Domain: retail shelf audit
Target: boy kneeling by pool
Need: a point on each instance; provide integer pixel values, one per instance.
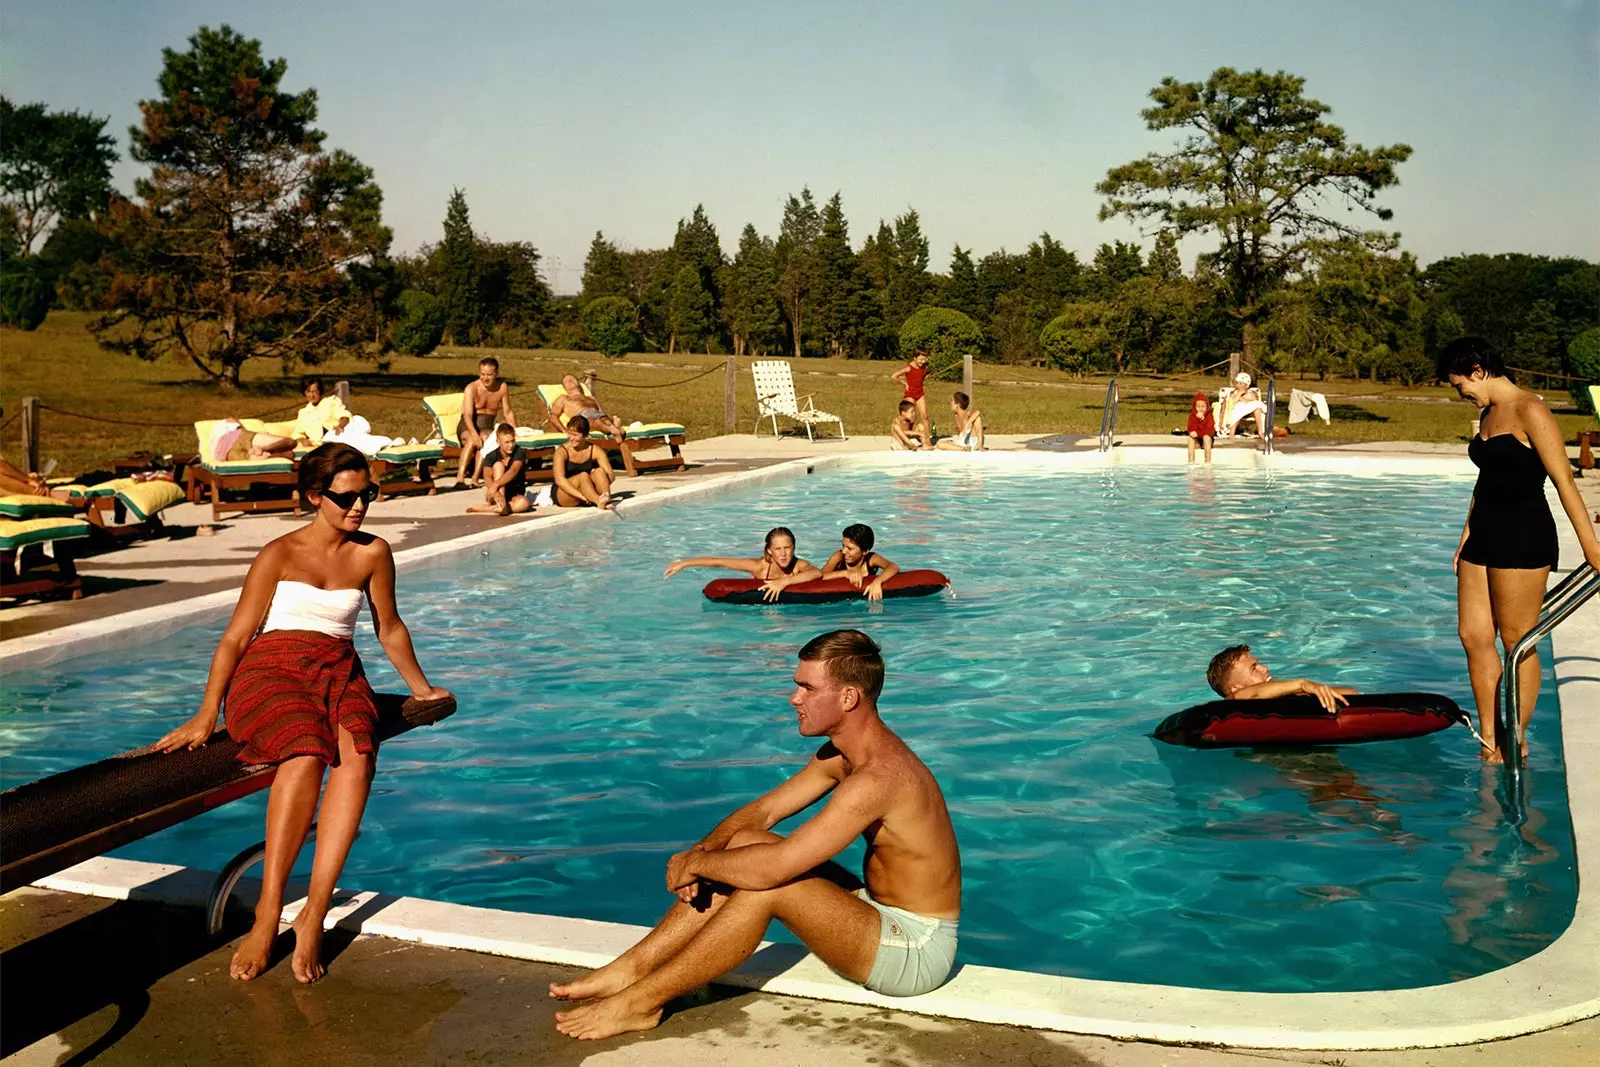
(855, 560)
(1237, 675)
(895, 935)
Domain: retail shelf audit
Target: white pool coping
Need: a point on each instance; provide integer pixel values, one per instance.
(1557, 985)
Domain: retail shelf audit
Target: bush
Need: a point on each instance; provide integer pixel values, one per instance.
(26, 292)
(947, 334)
(611, 323)
(421, 324)
(1075, 341)
(1583, 361)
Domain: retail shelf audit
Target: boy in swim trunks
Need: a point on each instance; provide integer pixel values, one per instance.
(911, 376)
(506, 482)
(479, 402)
(903, 428)
(895, 935)
(856, 561)
(969, 426)
(1237, 675)
(574, 401)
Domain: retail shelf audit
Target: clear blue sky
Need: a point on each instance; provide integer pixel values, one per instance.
(993, 120)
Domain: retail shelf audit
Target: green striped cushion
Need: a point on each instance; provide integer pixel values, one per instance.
(144, 499)
(655, 429)
(248, 466)
(410, 453)
(13, 535)
(26, 506)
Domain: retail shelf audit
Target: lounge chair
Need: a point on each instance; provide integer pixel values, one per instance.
(637, 438)
(1587, 439)
(1225, 413)
(446, 411)
(219, 476)
(21, 539)
(124, 508)
(775, 397)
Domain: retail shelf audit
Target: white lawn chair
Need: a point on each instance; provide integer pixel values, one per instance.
(775, 396)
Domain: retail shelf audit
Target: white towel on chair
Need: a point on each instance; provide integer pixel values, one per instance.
(1302, 402)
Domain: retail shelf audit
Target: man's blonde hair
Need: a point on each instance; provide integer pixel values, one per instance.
(851, 658)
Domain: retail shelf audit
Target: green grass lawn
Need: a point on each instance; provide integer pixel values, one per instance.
(62, 365)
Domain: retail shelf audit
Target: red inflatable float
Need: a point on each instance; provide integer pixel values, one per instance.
(748, 590)
(1301, 722)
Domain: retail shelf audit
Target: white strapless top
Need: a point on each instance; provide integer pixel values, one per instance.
(298, 606)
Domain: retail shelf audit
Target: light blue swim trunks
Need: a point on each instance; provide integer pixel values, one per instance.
(915, 953)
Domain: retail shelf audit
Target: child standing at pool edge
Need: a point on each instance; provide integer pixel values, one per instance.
(856, 561)
(911, 376)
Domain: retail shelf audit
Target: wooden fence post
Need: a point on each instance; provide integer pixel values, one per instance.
(30, 432)
(341, 389)
(730, 376)
(966, 374)
(588, 381)
(1233, 366)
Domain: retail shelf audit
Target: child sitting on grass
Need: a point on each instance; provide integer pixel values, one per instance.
(856, 561)
(505, 488)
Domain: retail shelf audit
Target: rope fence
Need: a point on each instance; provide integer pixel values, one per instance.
(151, 422)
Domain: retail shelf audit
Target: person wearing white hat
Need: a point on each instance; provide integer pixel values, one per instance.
(1243, 403)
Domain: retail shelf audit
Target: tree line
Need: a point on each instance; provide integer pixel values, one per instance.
(250, 238)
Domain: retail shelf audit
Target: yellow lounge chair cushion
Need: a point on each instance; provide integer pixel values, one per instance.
(13, 535)
(446, 411)
(146, 499)
(549, 393)
(27, 506)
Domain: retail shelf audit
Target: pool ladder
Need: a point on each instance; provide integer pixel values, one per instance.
(1108, 418)
(1272, 415)
(1559, 604)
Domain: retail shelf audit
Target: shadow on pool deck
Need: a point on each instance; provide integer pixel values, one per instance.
(137, 983)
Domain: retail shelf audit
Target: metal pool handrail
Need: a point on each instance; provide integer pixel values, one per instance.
(1108, 417)
(1567, 597)
(1272, 414)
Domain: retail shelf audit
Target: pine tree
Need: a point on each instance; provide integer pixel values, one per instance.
(843, 317)
(691, 313)
(697, 245)
(909, 281)
(961, 290)
(604, 272)
(460, 272)
(796, 262)
(750, 301)
(1164, 262)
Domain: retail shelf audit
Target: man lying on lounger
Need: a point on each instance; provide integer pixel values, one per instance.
(896, 936)
(1237, 675)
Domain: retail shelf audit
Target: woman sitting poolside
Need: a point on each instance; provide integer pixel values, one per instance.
(296, 694)
(778, 568)
(582, 472)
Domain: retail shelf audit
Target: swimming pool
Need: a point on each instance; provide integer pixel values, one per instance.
(609, 717)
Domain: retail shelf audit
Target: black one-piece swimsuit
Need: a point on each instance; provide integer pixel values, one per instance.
(1511, 527)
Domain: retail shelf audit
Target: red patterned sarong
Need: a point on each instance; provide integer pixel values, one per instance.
(291, 692)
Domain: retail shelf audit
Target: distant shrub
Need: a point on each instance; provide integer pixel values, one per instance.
(1075, 341)
(421, 324)
(947, 334)
(611, 323)
(1583, 361)
(26, 292)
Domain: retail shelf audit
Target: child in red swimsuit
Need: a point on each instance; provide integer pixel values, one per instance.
(1202, 426)
(911, 376)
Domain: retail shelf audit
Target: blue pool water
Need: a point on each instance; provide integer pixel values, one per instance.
(609, 718)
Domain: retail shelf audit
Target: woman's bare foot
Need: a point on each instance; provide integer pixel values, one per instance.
(1489, 755)
(307, 959)
(606, 981)
(250, 958)
(605, 1018)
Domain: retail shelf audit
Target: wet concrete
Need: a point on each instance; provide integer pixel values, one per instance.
(90, 980)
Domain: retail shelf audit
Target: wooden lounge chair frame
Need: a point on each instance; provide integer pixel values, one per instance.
(16, 580)
(199, 479)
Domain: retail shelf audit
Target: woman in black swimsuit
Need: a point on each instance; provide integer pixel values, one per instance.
(1508, 545)
(778, 568)
(582, 472)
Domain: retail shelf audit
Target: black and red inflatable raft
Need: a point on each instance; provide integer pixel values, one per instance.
(748, 590)
(1300, 721)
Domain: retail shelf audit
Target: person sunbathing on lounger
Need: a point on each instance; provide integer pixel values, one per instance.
(231, 441)
(896, 935)
(778, 568)
(574, 401)
(856, 561)
(582, 470)
(1237, 675)
(298, 697)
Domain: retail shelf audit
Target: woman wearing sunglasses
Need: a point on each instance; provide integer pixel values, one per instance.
(296, 694)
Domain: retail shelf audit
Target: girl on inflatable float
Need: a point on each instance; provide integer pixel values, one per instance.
(777, 569)
(1508, 545)
(297, 696)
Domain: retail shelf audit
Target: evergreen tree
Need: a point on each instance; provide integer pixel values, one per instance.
(54, 165)
(697, 245)
(750, 302)
(909, 282)
(459, 273)
(1538, 344)
(961, 290)
(604, 272)
(1164, 261)
(796, 263)
(692, 312)
(847, 319)
(513, 299)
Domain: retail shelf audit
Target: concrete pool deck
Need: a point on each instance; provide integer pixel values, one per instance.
(1305, 1019)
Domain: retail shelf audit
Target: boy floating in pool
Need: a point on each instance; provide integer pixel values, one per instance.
(896, 935)
(856, 561)
(778, 566)
(903, 427)
(1237, 675)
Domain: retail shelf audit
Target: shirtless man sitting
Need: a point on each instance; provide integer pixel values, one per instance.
(481, 400)
(896, 935)
(1237, 675)
(576, 402)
